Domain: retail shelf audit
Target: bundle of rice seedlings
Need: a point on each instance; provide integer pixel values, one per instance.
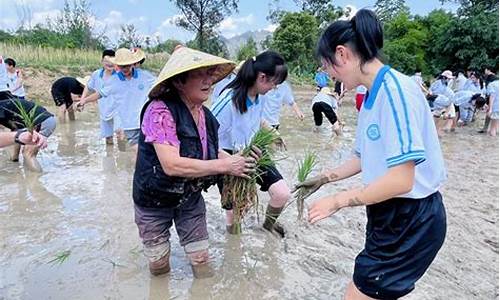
(241, 192)
(28, 118)
(305, 168)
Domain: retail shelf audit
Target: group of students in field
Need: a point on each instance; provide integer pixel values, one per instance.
(183, 147)
(456, 98)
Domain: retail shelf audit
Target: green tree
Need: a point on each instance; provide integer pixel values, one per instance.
(203, 17)
(387, 10)
(405, 43)
(166, 46)
(249, 49)
(295, 38)
(323, 10)
(213, 45)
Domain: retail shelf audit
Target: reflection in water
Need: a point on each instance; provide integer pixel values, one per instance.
(82, 202)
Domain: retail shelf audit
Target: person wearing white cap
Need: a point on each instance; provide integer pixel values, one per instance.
(441, 87)
(178, 157)
(129, 88)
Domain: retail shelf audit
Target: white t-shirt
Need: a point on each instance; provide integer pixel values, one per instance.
(219, 86)
(108, 108)
(130, 95)
(439, 88)
(13, 80)
(395, 126)
(493, 92)
(321, 97)
(274, 99)
(460, 82)
(418, 79)
(4, 79)
(236, 130)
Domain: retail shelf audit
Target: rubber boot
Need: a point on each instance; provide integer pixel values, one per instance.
(14, 155)
(161, 266)
(30, 161)
(200, 265)
(270, 224)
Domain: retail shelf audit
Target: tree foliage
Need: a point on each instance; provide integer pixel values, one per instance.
(387, 10)
(203, 17)
(295, 38)
(129, 37)
(249, 49)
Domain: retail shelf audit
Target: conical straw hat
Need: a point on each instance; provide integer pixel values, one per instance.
(124, 57)
(83, 81)
(139, 53)
(185, 59)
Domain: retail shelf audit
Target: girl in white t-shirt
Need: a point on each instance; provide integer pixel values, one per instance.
(398, 154)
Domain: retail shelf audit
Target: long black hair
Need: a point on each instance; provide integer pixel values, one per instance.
(363, 34)
(269, 62)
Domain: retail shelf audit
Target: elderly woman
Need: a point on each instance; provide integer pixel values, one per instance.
(178, 157)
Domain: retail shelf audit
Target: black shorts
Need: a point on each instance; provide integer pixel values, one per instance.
(403, 236)
(61, 99)
(268, 176)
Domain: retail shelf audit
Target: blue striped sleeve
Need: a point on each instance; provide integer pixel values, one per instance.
(418, 156)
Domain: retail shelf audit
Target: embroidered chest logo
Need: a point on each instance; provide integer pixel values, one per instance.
(141, 86)
(373, 132)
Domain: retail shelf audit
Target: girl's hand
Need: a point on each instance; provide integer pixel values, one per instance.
(323, 208)
(310, 186)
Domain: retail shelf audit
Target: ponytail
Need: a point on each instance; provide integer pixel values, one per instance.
(363, 34)
(269, 62)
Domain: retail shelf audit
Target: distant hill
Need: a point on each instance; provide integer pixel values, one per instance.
(234, 43)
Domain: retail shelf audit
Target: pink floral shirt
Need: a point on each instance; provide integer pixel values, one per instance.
(158, 126)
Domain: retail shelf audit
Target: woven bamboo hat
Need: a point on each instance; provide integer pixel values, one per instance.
(185, 59)
(83, 80)
(124, 57)
(139, 53)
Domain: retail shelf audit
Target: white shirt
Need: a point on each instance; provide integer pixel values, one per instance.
(493, 92)
(4, 80)
(108, 108)
(395, 126)
(130, 95)
(274, 99)
(460, 82)
(219, 86)
(321, 97)
(418, 79)
(439, 88)
(13, 81)
(236, 130)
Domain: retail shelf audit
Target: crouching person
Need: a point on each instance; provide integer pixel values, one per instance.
(44, 124)
(178, 157)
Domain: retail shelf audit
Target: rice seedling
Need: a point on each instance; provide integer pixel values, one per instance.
(241, 192)
(60, 257)
(304, 170)
(28, 118)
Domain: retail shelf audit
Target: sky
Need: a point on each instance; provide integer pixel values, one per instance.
(155, 17)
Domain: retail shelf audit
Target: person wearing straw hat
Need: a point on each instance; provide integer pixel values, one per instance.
(325, 103)
(45, 125)
(129, 87)
(178, 157)
(65, 91)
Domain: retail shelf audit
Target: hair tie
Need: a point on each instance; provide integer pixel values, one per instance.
(254, 59)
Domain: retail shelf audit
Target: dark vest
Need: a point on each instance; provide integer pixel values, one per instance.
(152, 187)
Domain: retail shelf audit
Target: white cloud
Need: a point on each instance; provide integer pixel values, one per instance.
(230, 26)
(271, 27)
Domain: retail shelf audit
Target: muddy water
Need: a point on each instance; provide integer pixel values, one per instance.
(82, 204)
